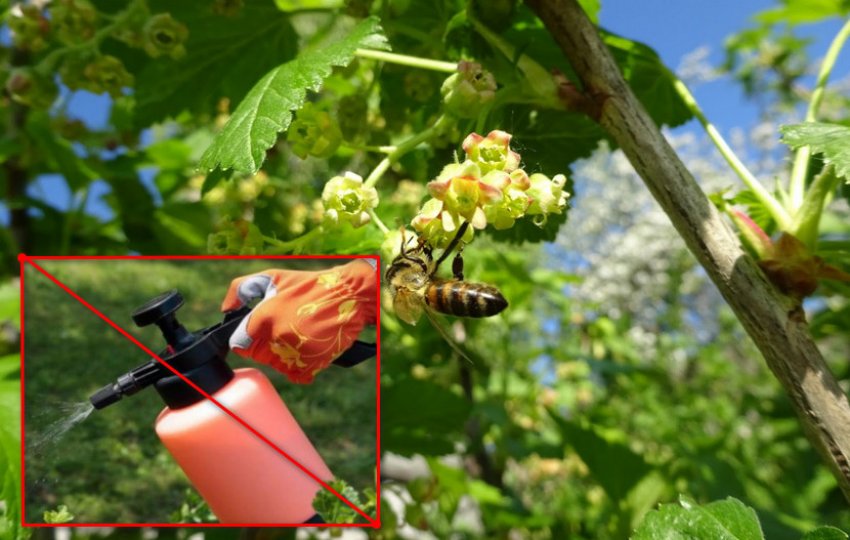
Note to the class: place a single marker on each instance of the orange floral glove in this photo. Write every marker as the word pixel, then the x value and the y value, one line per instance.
pixel 305 319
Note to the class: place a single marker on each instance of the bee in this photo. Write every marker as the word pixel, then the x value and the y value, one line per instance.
pixel 415 287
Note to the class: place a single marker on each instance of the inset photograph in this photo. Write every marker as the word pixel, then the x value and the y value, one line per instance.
pixel 215 390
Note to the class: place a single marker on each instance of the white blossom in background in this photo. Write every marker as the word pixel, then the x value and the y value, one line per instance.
pixel 626 250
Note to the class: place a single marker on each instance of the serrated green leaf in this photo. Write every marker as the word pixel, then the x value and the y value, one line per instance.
pixel 332 508
pixel 268 107
pixel 729 519
pixel 830 140
pixel 60 515
pixel 225 55
pixel 825 533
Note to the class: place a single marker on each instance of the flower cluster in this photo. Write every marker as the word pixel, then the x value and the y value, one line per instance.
pixel 346 198
pixel 487 188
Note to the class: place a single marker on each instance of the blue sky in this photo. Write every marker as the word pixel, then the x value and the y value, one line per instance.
pixel 676 27
pixel 673 28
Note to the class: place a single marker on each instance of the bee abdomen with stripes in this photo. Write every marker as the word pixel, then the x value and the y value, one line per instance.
pixel 464 299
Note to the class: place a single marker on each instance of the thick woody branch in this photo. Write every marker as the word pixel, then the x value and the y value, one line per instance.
pixel 776 324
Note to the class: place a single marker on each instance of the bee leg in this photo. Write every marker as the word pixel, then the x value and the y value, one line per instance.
pixel 457 265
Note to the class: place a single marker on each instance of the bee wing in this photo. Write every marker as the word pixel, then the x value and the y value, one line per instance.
pixel 408 307
pixel 432 317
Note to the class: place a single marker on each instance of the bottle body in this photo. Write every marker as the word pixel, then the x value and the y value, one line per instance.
pixel 241 477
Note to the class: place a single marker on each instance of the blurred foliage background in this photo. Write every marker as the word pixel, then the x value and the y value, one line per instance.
pixel 616 381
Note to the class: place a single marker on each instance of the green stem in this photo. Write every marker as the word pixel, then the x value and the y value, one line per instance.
pixel 807 218
pixel 369 148
pixel 290 246
pixel 402 149
pixel 777 211
pixel 797 187
pixel 405 60
pixel 377 221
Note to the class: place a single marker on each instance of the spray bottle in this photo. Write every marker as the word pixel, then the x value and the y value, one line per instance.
pixel 241 477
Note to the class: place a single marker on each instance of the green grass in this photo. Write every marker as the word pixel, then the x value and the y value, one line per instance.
pixel 111 467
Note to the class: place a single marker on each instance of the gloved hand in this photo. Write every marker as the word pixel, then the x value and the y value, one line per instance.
pixel 305 319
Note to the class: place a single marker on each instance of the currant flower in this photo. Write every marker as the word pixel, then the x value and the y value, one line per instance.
pixel 345 198
pixel 75 20
pixel 468 91
pixel 514 201
pixel 493 152
pixel 547 195
pixel 439 225
pixel 462 191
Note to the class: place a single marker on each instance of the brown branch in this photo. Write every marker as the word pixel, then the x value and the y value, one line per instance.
pixel 775 323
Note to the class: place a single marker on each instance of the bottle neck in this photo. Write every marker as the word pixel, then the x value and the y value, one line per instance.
pixel 210 377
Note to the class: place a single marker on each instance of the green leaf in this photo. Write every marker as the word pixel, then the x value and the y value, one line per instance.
pixel 267 109
pixel 830 140
pixel 613 464
pixel 60 515
pixel 803 11
pixel 332 508
pixel 182 228
pixel 225 55
pixel 729 519
pixel 10 457
pixel 825 533
pixel 525 230
pixel 59 153
pixel 10 303
pixel 591 7
pixel 425 417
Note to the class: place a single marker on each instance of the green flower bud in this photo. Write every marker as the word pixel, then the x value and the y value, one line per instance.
pixel 345 198
pixel 27 86
pixel 28 26
pixel 313 133
pixel 467 92
pixel 165 36
pixel 75 20
pixel 103 74
pixel 236 237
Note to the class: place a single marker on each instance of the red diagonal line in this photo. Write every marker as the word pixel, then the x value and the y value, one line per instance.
pixel 199 390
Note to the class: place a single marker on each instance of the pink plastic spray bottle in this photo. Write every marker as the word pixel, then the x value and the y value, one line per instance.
pixel 241 477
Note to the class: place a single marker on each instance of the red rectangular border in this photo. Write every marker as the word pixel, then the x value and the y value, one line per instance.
pixel 376 523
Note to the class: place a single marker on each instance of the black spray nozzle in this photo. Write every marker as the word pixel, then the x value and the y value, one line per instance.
pixel 128 384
